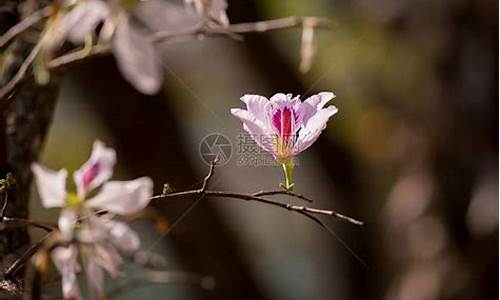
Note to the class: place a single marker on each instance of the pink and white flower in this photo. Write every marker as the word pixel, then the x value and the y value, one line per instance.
pixel 102 237
pixel 285 126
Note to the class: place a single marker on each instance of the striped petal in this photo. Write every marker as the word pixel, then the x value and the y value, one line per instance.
pixel 97 170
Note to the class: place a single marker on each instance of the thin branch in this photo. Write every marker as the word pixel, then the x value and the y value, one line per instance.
pixel 334 234
pixel 76 56
pixel 18 222
pixel 232 29
pixel 162 277
pixel 281 23
pixel 18 263
pixel 282 192
pixel 24 24
pixel 288 206
pixel 8 89
pixel 258 198
pixel 207 178
pixel 303 210
pixel 247 197
pixel 5 202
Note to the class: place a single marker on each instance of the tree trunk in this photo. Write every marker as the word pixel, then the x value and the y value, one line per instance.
pixel 24 119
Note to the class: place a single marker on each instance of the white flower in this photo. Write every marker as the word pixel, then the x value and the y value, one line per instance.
pixel 136 55
pixel 102 237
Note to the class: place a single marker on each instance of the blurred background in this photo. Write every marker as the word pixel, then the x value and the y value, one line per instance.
pixel 412 152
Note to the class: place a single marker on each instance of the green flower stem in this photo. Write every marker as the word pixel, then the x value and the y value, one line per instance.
pixel 288 168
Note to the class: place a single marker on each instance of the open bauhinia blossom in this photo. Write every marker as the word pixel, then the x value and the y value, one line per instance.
pixel 101 237
pixel 284 125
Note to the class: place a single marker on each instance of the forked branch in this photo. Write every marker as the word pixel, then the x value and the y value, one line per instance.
pixel 258 197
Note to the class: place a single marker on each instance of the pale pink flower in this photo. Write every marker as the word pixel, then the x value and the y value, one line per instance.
pixel 103 238
pixel 285 126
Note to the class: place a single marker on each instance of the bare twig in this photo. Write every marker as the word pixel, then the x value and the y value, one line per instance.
pixel 291 207
pixel 282 23
pixel 334 234
pixel 303 210
pixel 76 56
pixel 282 192
pixel 231 30
pixel 258 197
pixel 207 178
pixel 24 24
pixel 18 263
pixel 5 202
pixel 247 197
pixel 261 26
pixel 18 222
pixel 162 277
pixel 8 89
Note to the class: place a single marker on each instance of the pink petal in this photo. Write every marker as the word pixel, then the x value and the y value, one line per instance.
pixel 313 128
pixel 257 106
pixel 123 197
pixel 97 170
pixel 65 260
pixel 256 128
pixel 51 185
pixel 281 99
pixel 313 104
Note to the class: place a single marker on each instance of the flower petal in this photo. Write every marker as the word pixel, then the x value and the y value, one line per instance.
pixel 166 16
pixel 66 223
pixel 257 106
pixel 65 260
pixel 123 197
pixel 97 170
pixel 101 229
pixel 51 185
pixel 95 277
pixel 122 236
pixel 82 20
pixel 137 58
pixel 107 257
pixel 310 132
pixel 213 9
pixel 313 104
pixel 95 232
pixel 281 98
pixel 256 128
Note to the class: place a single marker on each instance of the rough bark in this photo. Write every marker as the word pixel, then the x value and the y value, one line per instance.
pixel 24 120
